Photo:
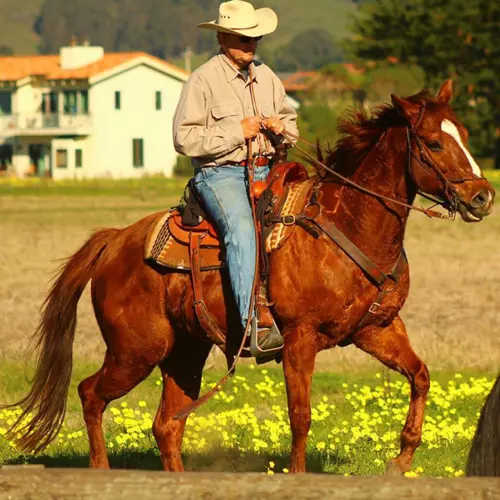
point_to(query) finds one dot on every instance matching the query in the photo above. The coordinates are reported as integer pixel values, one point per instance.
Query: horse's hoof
(393, 469)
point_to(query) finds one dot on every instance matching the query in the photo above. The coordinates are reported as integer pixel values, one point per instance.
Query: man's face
(240, 49)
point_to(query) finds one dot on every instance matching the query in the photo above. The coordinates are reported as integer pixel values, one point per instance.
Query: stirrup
(269, 344)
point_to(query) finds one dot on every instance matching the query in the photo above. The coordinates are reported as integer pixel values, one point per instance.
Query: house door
(39, 160)
(6, 152)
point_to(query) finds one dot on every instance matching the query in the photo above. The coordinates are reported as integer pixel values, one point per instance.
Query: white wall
(70, 145)
(114, 130)
(28, 99)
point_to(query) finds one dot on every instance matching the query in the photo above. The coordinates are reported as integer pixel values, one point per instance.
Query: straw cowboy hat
(241, 18)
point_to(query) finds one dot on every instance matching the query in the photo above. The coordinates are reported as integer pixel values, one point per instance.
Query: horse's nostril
(480, 199)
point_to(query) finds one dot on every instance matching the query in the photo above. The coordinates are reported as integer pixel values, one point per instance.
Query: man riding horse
(226, 108)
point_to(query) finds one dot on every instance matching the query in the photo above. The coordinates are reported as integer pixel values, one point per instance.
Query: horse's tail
(44, 407)
(484, 456)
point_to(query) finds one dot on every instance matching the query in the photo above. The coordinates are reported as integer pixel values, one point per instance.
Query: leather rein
(450, 200)
(321, 222)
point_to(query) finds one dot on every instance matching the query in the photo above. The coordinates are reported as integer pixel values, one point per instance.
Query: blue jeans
(224, 191)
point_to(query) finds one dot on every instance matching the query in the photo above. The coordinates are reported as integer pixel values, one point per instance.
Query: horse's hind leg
(112, 381)
(392, 347)
(181, 373)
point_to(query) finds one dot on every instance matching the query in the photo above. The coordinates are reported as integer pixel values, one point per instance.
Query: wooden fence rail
(79, 484)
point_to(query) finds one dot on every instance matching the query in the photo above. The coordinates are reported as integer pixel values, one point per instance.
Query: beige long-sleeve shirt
(207, 122)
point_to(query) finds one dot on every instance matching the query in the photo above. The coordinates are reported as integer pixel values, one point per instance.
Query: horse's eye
(435, 146)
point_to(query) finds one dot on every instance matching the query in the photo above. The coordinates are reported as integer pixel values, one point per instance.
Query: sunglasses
(249, 39)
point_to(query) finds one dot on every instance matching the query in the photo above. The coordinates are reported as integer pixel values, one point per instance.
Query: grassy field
(451, 315)
(357, 419)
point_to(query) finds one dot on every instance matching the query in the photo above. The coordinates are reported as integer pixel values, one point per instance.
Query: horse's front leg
(299, 354)
(392, 346)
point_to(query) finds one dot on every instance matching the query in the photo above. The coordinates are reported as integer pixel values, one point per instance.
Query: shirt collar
(230, 71)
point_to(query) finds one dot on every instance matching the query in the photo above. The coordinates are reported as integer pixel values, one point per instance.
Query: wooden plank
(83, 484)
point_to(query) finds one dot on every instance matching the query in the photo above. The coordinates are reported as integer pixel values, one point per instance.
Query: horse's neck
(377, 228)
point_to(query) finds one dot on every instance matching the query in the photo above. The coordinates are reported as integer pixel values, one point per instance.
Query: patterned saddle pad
(167, 243)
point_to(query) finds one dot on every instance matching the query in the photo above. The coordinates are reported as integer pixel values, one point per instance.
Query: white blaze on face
(450, 128)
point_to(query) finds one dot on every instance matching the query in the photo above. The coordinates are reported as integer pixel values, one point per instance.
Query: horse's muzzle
(480, 205)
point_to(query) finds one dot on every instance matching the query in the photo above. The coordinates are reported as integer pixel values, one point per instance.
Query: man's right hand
(251, 126)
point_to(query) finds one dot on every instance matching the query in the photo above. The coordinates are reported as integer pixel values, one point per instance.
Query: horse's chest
(331, 291)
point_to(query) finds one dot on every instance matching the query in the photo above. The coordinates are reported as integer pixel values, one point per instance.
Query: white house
(85, 113)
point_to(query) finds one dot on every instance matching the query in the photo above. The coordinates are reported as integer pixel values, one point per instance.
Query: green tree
(59, 20)
(164, 28)
(310, 49)
(6, 50)
(446, 38)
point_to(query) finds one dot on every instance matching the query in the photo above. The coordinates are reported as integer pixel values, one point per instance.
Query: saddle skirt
(168, 241)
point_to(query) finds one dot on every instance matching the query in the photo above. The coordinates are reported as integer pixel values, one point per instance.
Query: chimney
(76, 56)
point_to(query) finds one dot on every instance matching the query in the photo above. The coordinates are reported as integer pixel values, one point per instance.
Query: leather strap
(258, 161)
(372, 271)
(204, 317)
(395, 276)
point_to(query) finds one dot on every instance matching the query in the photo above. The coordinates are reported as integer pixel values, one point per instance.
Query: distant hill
(18, 16)
(298, 15)
(16, 24)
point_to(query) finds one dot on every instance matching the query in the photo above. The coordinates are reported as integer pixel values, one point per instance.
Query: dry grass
(451, 314)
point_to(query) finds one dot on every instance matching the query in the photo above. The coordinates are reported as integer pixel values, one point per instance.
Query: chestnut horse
(147, 318)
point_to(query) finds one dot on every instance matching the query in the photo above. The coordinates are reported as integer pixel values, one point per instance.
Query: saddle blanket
(167, 243)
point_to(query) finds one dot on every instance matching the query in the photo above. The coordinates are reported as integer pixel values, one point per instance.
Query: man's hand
(274, 124)
(251, 126)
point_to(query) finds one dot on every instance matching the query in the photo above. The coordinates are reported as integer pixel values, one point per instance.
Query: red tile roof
(299, 81)
(14, 68)
(302, 80)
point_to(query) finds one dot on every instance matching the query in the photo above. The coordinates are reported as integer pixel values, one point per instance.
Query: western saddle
(174, 242)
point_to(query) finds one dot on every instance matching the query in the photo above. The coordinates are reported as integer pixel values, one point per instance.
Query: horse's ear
(445, 92)
(409, 110)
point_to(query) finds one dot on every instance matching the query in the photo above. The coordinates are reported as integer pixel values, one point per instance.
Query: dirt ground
(452, 314)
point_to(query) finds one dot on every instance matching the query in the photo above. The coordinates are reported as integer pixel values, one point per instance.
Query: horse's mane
(362, 131)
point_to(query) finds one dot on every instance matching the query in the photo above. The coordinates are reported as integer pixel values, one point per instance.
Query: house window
(70, 106)
(138, 152)
(5, 103)
(78, 158)
(85, 101)
(118, 100)
(158, 100)
(62, 158)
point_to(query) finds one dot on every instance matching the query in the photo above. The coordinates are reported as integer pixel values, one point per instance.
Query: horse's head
(440, 163)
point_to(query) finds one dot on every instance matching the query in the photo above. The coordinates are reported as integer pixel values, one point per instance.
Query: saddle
(173, 242)
(168, 242)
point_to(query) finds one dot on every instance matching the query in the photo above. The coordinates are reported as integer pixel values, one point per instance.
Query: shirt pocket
(226, 110)
(267, 111)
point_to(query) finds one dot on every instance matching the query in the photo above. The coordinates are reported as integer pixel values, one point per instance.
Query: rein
(432, 214)
(450, 202)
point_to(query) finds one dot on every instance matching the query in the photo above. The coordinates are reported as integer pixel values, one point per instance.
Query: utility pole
(187, 54)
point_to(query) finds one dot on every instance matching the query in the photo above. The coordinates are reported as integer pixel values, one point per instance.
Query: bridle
(450, 200)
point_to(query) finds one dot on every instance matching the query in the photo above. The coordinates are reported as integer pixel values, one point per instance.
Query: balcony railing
(19, 123)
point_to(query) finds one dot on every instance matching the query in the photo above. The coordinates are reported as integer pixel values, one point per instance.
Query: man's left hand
(274, 124)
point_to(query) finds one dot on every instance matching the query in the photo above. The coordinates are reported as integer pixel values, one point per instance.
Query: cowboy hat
(241, 18)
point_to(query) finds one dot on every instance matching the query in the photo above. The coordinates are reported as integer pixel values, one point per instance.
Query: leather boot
(266, 340)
